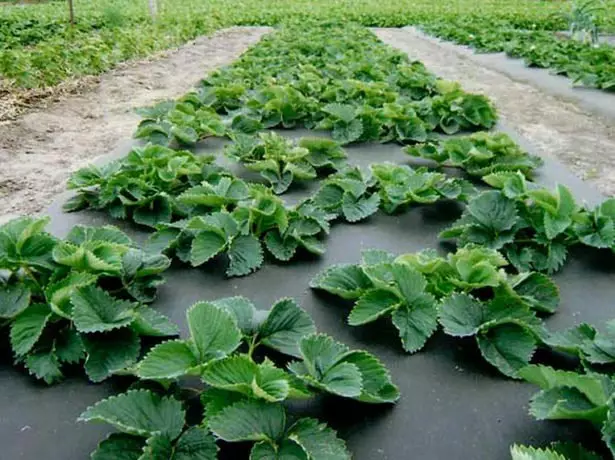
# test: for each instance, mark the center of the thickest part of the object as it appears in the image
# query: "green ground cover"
(39, 48)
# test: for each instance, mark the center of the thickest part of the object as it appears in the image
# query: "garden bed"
(453, 404)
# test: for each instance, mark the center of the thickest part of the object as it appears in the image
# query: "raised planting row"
(81, 300)
(585, 63)
(320, 78)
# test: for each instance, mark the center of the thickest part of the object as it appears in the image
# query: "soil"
(584, 142)
(40, 149)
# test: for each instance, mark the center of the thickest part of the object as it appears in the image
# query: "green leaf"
(372, 305)
(494, 211)
(281, 248)
(356, 209)
(347, 281)
(242, 310)
(139, 413)
(195, 443)
(205, 246)
(44, 365)
(377, 386)
(608, 428)
(530, 453)
(110, 352)
(285, 450)
(27, 328)
(250, 420)
(13, 300)
(119, 446)
(538, 291)
(416, 323)
(168, 360)
(565, 403)
(156, 211)
(157, 447)
(233, 373)
(286, 325)
(59, 294)
(547, 378)
(213, 330)
(245, 255)
(376, 256)
(324, 368)
(318, 441)
(153, 323)
(96, 311)
(69, 346)
(508, 347)
(554, 225)
(241, 374)
(410, 282)
(461, 315)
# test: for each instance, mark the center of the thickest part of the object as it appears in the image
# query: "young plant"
(452, 110)
(182, 124)
(401, 186)
(140, 186)
(479, 154)
(58, 298)
(306, 223)
(276, 158)
(243, 396)
(532, 226)
(421, 290)
(350, 194)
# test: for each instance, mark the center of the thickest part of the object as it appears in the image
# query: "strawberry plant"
(182, 125)
(533, 226)
(77, 299)
(243, 396)
(479, 154)
(400, 186)
(279, 160)
(140, 186)
(239, 234)
(467, 293)
(350, 194)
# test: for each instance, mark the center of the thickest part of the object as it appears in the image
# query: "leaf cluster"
(478, 154)
(532, 225)
(243, 396)
(80, 298)
(280, 161)
(468, 294)
(142, 185)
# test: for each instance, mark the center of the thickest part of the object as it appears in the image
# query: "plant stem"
(252, 346)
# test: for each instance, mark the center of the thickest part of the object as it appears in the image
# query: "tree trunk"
(153, 9)
(71, 11)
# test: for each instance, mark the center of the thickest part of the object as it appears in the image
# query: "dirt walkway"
(585, 143)
(40, 149)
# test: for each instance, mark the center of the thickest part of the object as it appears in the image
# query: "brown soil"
(584, 142)
(39, 150)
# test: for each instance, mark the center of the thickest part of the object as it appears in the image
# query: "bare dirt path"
(40, 149)
(559, 129)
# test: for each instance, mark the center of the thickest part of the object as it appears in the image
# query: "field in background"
(39, 48)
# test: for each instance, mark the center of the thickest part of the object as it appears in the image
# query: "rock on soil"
(39, 150)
